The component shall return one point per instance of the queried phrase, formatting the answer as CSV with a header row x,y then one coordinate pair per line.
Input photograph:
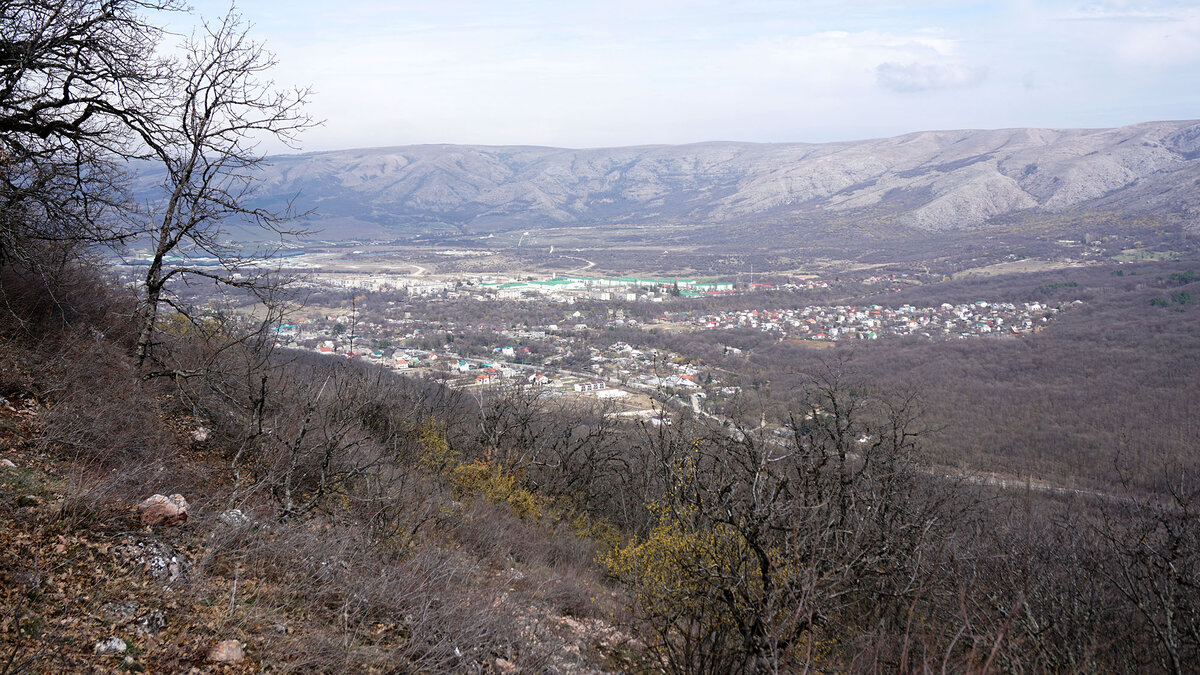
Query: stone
x,y
163,510
28,500
150,623
119,612
155,558
227,651
233,518
200,434
7,464
113,645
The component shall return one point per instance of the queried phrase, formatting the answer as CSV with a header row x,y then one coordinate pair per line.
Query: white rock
x,y
151,622
157,559
234,518
7,463
113,645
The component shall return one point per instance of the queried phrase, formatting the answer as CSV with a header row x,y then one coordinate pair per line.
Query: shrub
x,y
677,575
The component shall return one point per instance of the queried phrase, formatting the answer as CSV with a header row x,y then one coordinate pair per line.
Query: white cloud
x,y
1172,42
913,77
631,71
1132,34
496,86
840,60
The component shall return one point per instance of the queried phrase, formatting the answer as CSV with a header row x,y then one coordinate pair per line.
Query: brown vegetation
x,y
387,521
341,519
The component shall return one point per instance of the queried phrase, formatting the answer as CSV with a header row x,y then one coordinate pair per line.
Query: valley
x,y
905,378
1019,355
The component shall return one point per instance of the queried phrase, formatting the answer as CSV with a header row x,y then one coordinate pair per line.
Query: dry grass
x,y
389,571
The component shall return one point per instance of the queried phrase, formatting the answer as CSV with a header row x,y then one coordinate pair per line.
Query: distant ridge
x,y
929,181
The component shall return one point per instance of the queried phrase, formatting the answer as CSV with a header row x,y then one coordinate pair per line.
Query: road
x,y
589,264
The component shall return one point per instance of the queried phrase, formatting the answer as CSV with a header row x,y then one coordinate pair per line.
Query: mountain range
x,y
928,181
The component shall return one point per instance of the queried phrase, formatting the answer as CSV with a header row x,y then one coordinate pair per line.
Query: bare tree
x,y
205,136
73,75
1151,559
560,446
762,545
319,454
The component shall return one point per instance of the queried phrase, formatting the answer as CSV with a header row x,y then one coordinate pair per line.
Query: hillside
x,y
929,181
447,580
336,518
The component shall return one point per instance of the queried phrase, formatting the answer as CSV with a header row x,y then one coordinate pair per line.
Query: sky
x,y
632,72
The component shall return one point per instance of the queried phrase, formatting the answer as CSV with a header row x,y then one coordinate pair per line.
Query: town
x,y
872,322
634,343
603,339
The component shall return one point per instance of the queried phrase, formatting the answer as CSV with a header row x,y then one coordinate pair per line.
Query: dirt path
x,y
589,264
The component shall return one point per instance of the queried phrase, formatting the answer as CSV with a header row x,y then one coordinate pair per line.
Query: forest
x,y
334,517
1106,393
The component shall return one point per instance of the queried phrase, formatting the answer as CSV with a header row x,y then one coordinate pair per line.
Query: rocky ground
x,y
90,582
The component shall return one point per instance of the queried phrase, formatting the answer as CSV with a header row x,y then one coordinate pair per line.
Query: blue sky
x,y
623,72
